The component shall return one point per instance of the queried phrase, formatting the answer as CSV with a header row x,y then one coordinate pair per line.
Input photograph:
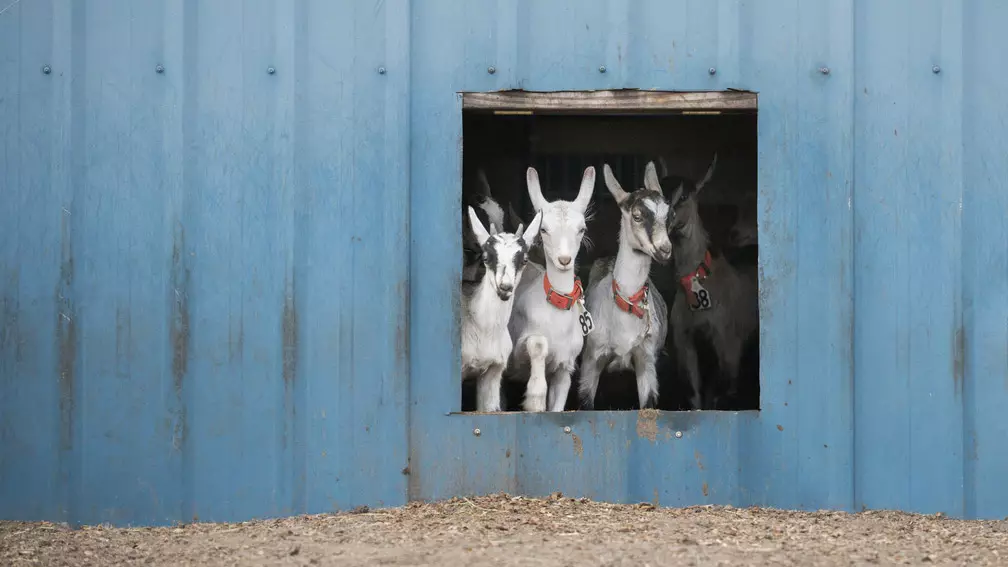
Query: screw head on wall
x,y
678,434
491,69
159,69
824,70
271,70
567,430
601,69
712,71
936,69
381,70
476,432
46,69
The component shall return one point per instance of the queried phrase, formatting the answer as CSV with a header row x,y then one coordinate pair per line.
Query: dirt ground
x,y
504,530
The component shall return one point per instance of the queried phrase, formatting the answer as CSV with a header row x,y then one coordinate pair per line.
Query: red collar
x,y
630,304
702,272
561,300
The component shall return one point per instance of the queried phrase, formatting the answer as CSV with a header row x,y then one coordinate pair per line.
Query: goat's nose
x,y
564,260
506,286
665,250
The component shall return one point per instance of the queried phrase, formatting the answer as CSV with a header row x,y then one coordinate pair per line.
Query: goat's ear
x,y
587,189
477,227
662,167
532,231
534,190
614,187
709,174
483,185
651,178
676,195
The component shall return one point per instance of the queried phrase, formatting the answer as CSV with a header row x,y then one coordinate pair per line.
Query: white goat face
x,y
504,254
645,214
563,222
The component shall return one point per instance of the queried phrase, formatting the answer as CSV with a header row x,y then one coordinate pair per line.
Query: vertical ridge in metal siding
x,y
984,259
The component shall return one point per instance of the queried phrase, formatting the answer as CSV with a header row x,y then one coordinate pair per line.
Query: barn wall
x,y
226,293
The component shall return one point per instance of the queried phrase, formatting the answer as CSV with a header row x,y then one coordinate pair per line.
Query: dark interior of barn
x,y
561,146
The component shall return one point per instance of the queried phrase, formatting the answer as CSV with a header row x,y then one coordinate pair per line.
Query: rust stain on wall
x,y
958,358
699,461
705,490
289,348
289,337
647,424
578,446
66,338
179,334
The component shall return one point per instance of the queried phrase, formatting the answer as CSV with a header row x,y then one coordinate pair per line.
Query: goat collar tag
x,y
562,300
632,304
697,296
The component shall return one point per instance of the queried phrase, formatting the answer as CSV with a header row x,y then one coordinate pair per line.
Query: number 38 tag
x,y
701,297
585,319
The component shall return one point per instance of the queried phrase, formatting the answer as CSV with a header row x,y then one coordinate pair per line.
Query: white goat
x,y
631,318
486,307
494,213
719,303
549,319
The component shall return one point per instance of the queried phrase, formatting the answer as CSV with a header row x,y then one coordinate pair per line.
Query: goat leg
x,y
558,389
535,390
688,360
647,378
591,369
488,389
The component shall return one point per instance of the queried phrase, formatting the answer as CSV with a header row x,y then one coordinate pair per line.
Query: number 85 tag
x,y
585,319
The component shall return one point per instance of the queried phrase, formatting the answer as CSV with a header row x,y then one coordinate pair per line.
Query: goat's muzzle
x,y
504,291
663,253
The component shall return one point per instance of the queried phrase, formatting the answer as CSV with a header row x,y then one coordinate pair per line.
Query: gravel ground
x,y
503,530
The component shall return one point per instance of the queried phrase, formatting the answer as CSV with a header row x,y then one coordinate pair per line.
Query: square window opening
x,y
560,135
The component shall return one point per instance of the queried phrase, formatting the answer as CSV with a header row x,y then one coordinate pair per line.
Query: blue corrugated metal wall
x,y
228,293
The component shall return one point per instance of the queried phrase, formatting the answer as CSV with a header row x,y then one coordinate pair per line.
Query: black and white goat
x,y
549,320
487,305
630,315
494,215
718,303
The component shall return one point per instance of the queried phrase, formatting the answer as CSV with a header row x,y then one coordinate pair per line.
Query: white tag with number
x,y
585,319
701,297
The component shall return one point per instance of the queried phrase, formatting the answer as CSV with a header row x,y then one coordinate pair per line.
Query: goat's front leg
x,y
730,353
558,389
591,369
488,389
535,391
647,377
686,352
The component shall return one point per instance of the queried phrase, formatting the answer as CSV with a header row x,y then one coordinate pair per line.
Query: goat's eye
x,y
543,231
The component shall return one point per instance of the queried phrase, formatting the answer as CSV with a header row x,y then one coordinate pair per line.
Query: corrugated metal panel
x,y
227,293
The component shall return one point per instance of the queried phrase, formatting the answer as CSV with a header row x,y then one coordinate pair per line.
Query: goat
x,y
487,305
719,303
630,315
743,233
549,320
491,209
